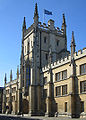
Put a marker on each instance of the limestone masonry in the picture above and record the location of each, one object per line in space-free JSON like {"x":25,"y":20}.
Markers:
{"x":51,"y":80}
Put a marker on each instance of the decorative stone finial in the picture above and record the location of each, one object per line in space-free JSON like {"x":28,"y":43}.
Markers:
{"x":36,"y":10}
{"x":24,"y":24}
{"x":73,"y":40}
{"x":11,"y":75}
{"x":64,"y":22}
{"x":36,"y":17}
{"x":73,"y":44}
{"x":5,"y":79}
{"x":64,"y":25}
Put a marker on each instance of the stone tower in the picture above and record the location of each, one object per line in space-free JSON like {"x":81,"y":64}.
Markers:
{"x":36,"y":43}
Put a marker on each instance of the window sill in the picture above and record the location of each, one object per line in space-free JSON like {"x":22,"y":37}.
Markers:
{"x":83,"y":93}
{"x":81,"y":74}
{"x":65,"y":95}
{"x":58,"y":96}
{"x":61,"y":96}
{"x":61,"y":80}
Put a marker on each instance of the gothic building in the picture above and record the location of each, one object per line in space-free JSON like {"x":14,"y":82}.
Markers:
{"x":52,"y":81}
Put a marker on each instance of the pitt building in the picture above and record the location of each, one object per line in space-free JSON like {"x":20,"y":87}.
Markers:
{"x":51,"y":80}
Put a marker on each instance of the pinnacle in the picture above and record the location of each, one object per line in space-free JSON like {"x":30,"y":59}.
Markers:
{"x":64,"y":22}
{"x":24,"y":23}
{"x":10,"y":75}
{"x":36,"y":10}
{"x":5,"y":78}
{"x":73,"y":40}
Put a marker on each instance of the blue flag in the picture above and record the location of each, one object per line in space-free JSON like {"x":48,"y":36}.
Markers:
{"x":47,"y":12}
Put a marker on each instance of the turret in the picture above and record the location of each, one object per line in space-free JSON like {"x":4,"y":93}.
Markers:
{"x":11,"y":75}
{"x":72,"y":44}
{"x":36,"y":17}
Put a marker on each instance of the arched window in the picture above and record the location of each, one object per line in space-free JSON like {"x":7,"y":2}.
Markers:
{"x":44,"y":39}
{"x":27,"y":76}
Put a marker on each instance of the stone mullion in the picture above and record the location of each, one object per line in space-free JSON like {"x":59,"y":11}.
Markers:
{"x":61,"y":90}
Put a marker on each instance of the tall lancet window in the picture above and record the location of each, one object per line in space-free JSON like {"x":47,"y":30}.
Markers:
{"x":28,"y":48}
{"x":27,"y":76}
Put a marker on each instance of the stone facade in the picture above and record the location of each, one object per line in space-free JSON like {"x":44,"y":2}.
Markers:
{"x":11,"y":95}
{"x":68,"y":85}
{"x":52,"y":81}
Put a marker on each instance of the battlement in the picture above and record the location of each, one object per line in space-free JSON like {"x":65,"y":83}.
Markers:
{"x":58,"y":63}
{"x":50,"y":26}
{"x":67,"y":59}
{"x":80,"y":53}
{"x":44,"y":26}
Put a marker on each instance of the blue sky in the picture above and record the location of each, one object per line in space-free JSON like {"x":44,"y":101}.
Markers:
{"x":11,"y":19}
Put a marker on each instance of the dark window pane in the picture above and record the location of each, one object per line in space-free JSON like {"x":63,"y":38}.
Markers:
{"x":83,"y":86}
{"x":64,"y":74}
{"x":57,"y":76}
{"x":45,"y":93}
{"x":64,"y":89}
{"x":57,"y":43}
{"x":83,"y":69}
{"x":58,"y":91}
{"x":82,"y":106}
{"x":44,"y":80}
{"x":46,"y":56}
{"x":65,"y":106}
{"x":27,"y":76}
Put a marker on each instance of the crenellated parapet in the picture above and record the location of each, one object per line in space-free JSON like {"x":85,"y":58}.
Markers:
{"x":57,"y":63}
{"x":80,"y":53}
{"x":66,"y":60}
{"x":45,"y":27}
{"x":50,"y":26}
